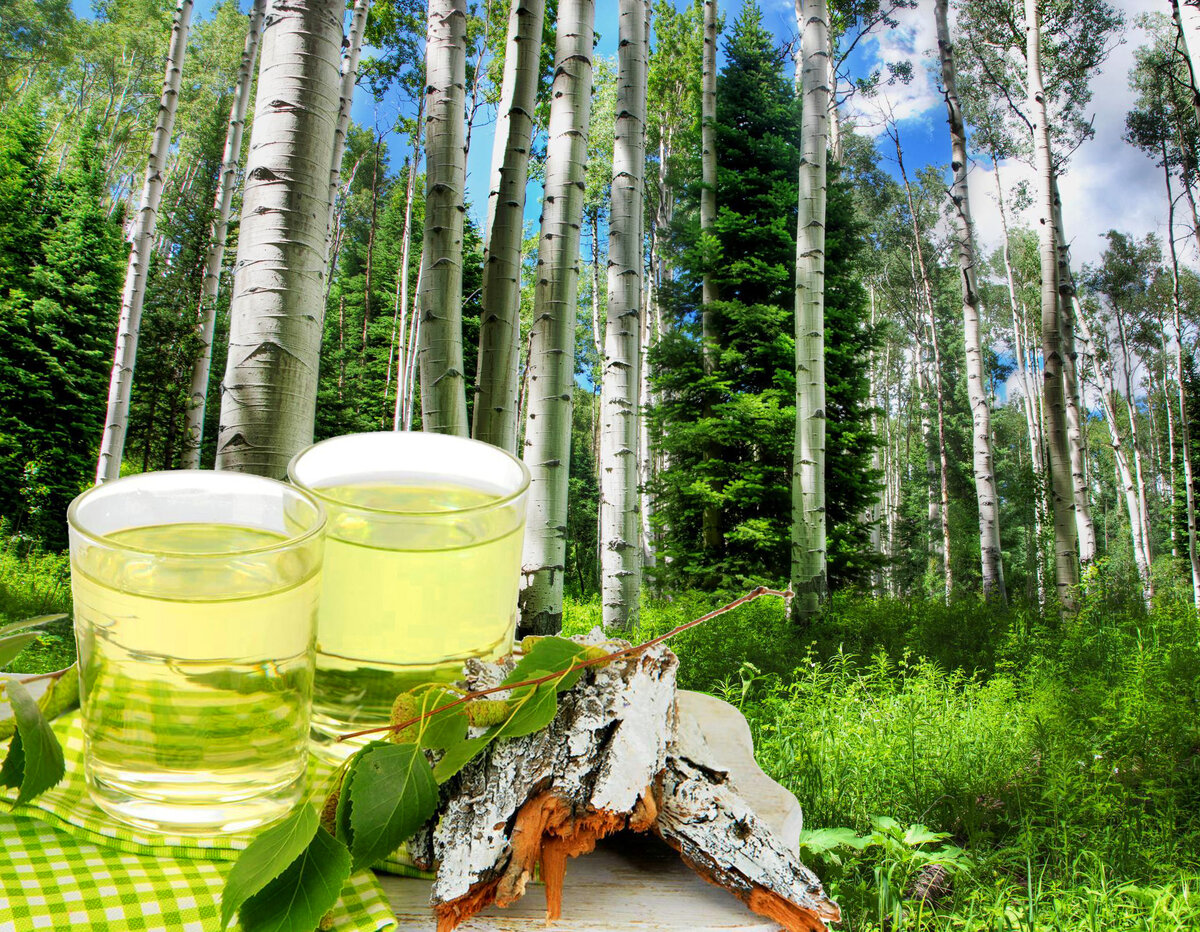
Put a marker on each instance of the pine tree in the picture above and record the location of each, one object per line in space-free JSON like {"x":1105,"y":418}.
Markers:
{"x":751,"y":391}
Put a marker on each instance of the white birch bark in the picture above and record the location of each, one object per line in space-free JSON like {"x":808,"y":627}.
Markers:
{"x":1084,"y":526}
{"x":711,"y":515}
{"x":981,"y":413}
{"x":1066,"y":556}
{"x":981,"y":416}
{"x":443,"y":387}
{"x":1187,"y":19}
{"x":808,"y":570}
{"x":402,"y":358}
{"x":620,"y":528}
{"x":222,"y":207}
{"x":1125,"y":474}
{"x":551,"y":366}
{"x":351,"y":49}
{"x":270,"y":387}
{"x":1184,"y":426}
{"x":495,"y":410}
{"x":120,"y":386}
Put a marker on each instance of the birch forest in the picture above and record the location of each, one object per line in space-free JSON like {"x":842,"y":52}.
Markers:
{"x":891,"y":303}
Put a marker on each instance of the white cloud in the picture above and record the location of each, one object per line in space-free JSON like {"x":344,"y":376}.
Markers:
{"x":1108,"y":185}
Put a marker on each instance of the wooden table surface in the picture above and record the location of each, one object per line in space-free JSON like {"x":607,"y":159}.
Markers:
{"x":637,"y":884}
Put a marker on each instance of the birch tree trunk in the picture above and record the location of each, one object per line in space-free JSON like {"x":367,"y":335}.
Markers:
{"x":443,"y":388}
{"x":981,"y":416}
{"x":352,"y":47}
{"x":551,"y":366}
{"x":1141,"y":554}
{"x":120,"y":386}
{"x":495,"y":410}
{"x":711,"y":515}
{"x":1187,"y":20}
{"x":1134,"y":441}
{"x":808,"y":573}
{"x":222,"y":207}
{"x":402,"y":357}
{"x":620,"y":527}
{"x":1184,"y":427}
{"x":270,"y":388}
{"x":1084,"y":526}
{"x":1066,"y":557}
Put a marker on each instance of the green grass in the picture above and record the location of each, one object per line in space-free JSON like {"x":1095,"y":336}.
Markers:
{"x":33,"y":582}
{"x":1062,"y":758}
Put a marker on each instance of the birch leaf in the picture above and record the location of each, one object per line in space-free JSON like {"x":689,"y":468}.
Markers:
{"x":393,"y":792}
{"x":548,"y":654}
{"x":35,"y":759}
{"x":308,"y":888}
{"x":266,"y":858}
{"x":29,"y":623}
{"x":11,"y":647}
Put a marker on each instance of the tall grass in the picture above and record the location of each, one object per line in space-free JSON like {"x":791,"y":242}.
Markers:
{"x":1062,"y":756}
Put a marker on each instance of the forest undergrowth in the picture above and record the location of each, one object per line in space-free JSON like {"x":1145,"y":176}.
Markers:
{"x":969,"y":767}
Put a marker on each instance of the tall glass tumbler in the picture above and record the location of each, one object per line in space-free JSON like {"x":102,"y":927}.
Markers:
{"x":422,"y":565}
{"x":195,"y":599}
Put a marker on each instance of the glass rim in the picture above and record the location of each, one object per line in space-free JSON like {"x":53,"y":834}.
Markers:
{"x":316,"y":528}
{"x":499,"y":502}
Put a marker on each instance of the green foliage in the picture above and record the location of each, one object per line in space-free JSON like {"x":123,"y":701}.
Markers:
{"x":61,"y":267}
{"x":34,"y":762}
{"x":729,"y":435}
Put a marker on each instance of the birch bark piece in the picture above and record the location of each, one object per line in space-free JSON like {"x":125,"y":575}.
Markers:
{"x":608,"y":737}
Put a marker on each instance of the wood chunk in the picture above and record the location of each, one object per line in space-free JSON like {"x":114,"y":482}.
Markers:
{"x":718,"y":836}
{"x":611,"y":760}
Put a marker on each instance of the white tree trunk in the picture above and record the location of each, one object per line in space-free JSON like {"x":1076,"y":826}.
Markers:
{"x":222,"y":206}
{"x":1133,"y":505}
{"x":1184,"y":427}
{"x":443,"y":388}
{"x":981,"y":416}
{"x":406,"y":237}
{"x":808,"y":571}
{"x":1187,"y":19}
{"x":551,"y":366}
{"x":269,"y":392}
{"x":1084,"y":526}
{"x":352,"y":47}
{"x":120,"y":386}
{"x":495,"y":411}
{"x":711,"y":515}
{"x":1066,"y":556}
{"x":620,"y":528}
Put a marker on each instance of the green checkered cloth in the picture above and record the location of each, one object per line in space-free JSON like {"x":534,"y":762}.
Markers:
{"x":67,"y":864}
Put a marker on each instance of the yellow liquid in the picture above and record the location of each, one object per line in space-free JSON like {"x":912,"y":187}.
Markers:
{"x":196,"y":682}
{"x":411,"y":589}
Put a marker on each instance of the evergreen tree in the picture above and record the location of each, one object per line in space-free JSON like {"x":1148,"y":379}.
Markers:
{"x":61,"y":267}
{"x":749,"y":435}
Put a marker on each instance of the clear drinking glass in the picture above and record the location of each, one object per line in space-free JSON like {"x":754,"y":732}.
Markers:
{"x":422,"y":565}
{"x":195,"y":599}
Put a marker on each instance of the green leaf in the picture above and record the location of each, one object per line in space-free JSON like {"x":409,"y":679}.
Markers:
{"x":296,"y":900}
{"x":918,"y":834}
{"x":35,"y":759}
{"x":547,"y":655}
{"x":533,"y":711}
{"x":393,"y":793}
{"x":267,"y":857}
{"x":341,"y":817}
{"x":824,"y":839}
{"x":446,"y":728}
{"x":458,"y":756}
{"x":11,"y":647}
{"x":29,"y":623}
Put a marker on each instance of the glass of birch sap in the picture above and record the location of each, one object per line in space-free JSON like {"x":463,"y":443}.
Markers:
{"x":422,"y":565}
{"x":195,"y":599}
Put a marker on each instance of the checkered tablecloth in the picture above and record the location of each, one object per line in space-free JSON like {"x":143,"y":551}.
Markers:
{"x":64,"y":864}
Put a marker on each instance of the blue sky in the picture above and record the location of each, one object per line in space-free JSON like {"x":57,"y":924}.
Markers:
{"x":1109,"y":185}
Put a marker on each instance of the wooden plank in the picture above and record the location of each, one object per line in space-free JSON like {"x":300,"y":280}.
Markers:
{"x":633,"y":884}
